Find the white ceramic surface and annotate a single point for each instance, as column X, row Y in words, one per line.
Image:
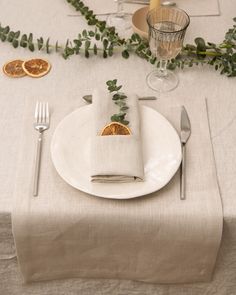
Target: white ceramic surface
column 161, row 155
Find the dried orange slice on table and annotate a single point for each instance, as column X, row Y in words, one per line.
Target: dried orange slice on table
column 14, row 69
column 36, row 67
column 115, row 128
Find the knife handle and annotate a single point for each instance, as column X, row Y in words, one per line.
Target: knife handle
column 182, row 174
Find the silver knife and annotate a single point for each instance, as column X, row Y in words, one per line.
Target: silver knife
column 184, row 136
column 88, row 98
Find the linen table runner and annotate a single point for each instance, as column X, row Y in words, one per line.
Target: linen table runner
column 157, row 238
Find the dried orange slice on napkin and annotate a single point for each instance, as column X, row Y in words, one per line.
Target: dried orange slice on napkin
column 36, row 67
column 14, row 69
column 115, row 128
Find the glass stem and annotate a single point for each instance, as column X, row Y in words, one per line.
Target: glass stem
column 163, row 67
column 120, row 8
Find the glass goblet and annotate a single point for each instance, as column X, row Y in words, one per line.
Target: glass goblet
column 167, row 27
column 120, row 20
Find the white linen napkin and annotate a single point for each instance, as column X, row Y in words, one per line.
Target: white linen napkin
column 115, row 158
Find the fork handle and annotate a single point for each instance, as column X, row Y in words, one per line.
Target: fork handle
column 37, row 164
column 182, row 174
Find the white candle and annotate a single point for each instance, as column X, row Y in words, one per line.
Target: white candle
column 154, row 4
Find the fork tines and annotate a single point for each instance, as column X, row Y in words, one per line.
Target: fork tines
column 41, row 112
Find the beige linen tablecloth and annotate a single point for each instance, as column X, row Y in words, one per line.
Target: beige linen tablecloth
column 67, row 80
column 66, row 233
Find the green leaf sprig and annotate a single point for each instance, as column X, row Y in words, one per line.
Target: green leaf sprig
column 119, row 99
column 221, row 56
column 26, row 41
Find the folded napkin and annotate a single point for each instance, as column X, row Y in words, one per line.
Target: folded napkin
column 115, row 158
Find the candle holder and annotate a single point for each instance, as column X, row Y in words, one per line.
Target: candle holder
column 139, row 22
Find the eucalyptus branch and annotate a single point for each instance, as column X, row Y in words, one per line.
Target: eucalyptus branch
column 26, row 41
column 221, row 56
column 104, row 40
column 119, row 99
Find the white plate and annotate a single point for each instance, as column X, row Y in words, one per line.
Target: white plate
column 161, row 155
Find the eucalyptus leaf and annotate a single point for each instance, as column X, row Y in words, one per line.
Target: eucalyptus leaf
column 23, row 41
column 110, row 50
column 201, row 45
column 105, row 44
column 115, row 118
column 97, row 37
column 84, row 33
column 15, row 43
column 6, row 30
column 3, row 37
column 87, row 44
column 234, row 57
column 47, row 46
column 40, row 43
column 31, row 47
column 17, row 34
column 120, row 103
column 95, row 49
column 125, row 54
column 10, row 36
column 86, row 53
column 91, row 34
column 104, row 54
column 124, row 108
column 124, row 122
column 30, row 38
column 92, row 21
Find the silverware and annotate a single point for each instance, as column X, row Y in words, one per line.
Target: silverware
column 88, row 98
column 41, row 124
column 184, row 136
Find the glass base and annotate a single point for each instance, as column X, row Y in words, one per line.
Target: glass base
column 121, row 22
column 161, row 82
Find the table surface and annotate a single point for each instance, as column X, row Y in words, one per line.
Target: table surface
column 77, row 76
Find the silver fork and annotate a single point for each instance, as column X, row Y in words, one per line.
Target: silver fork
column 41, row 124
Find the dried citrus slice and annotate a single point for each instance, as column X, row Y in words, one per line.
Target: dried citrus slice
column 36, row 67
column 115, row 128
column 14, row 69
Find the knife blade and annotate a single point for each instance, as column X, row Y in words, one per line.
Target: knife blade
column 185, row 133
column 88, row 98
